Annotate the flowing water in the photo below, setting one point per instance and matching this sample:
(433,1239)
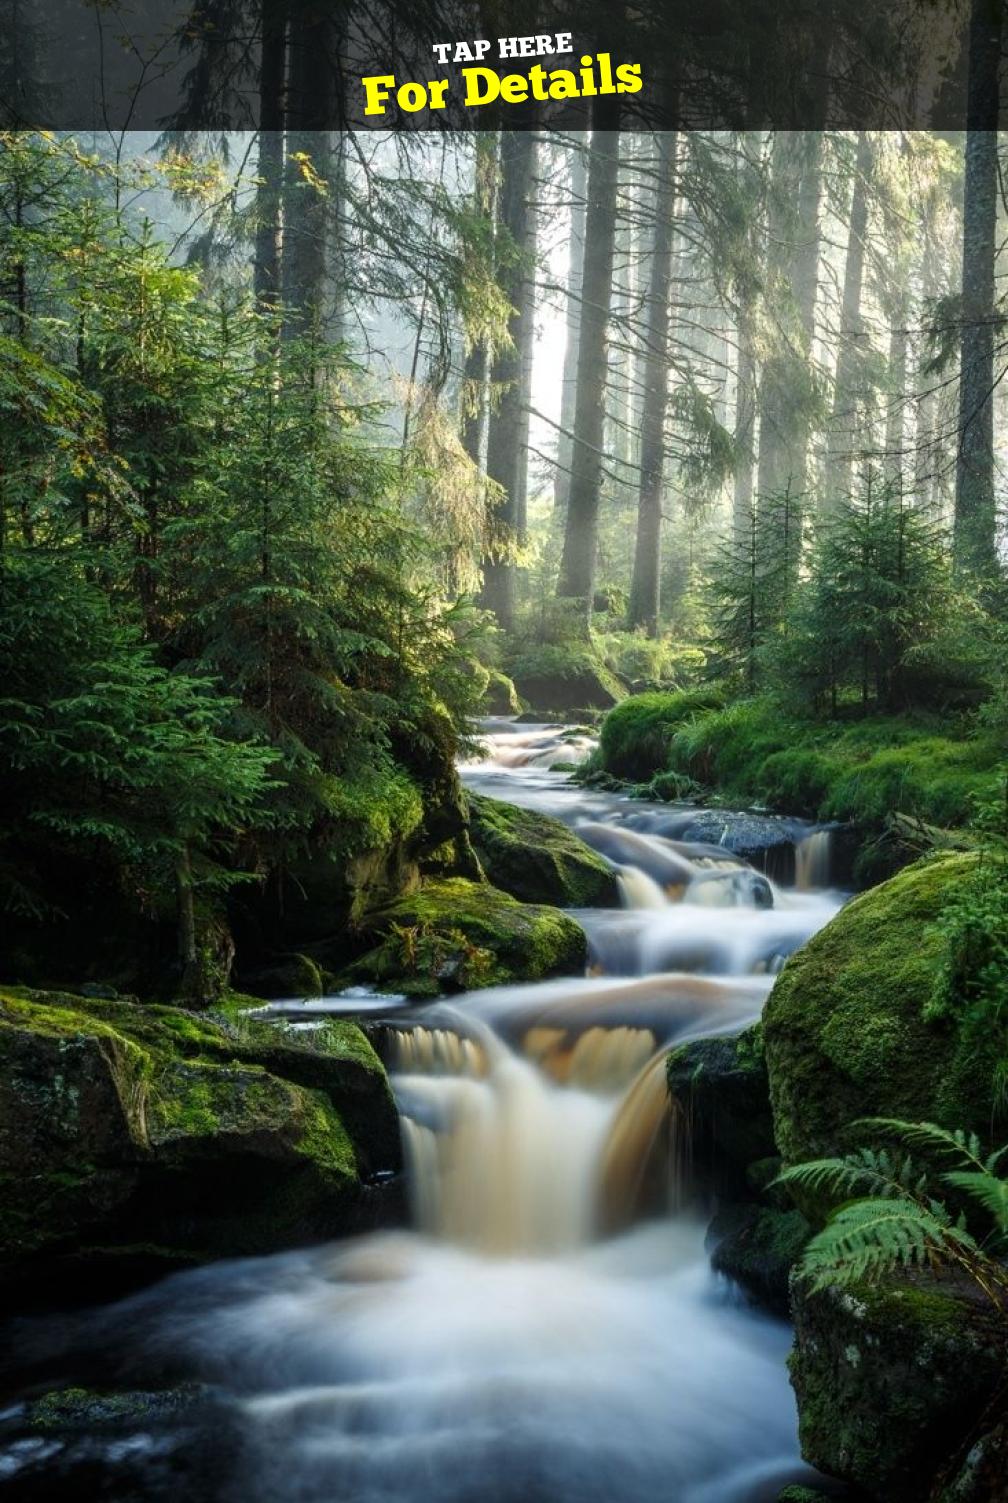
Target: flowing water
(550,1328)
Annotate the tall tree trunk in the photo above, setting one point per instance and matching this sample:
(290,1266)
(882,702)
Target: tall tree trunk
(310,170)
(476,373)
(786,374)
(645,589)
(575,274)
(974,535)
(848,392)
(507,438)
(269,194)
(577,565)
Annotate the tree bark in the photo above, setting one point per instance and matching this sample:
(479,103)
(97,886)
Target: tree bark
(476,373)
(268,245)
(310,171)
(848,394)
(974,534)
(575,275)
(786,375)
(577,565)
(645,589)
(507,437)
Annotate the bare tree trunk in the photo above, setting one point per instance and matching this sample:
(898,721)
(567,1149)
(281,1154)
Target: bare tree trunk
(974,537)
(507,438)
(645,589)
(269,195)
(786,374)
(310,171)
(577,565)
(848,392)
(476,374)
(568,397)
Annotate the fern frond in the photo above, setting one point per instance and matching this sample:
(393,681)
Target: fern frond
(993,1159)
(929,1135)
(869,1238)
(863,1172)
(991,1192)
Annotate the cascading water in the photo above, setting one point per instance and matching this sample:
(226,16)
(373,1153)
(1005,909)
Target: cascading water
(812,861)
(551,1330)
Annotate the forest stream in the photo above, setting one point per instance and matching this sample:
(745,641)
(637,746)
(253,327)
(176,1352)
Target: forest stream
(550,1329)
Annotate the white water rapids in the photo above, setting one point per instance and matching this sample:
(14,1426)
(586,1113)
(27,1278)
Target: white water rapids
(550,1331)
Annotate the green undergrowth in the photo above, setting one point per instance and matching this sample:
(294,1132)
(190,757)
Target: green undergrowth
(853,770)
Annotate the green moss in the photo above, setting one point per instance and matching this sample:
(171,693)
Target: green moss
(122,1123)
(537,859)
(564,675)
(758,1246)
(453,933)
(890,1381)
(848,1028)
(852,770)
(637,734)
(500,697)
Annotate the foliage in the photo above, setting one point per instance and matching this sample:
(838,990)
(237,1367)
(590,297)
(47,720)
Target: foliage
(637,734)
(851,769)
(891,1218)
(223,631)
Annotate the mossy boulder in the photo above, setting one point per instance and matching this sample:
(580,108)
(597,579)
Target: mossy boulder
(126,1126)
(721,1086)
(537,859)
(891,1382)
(500,697)
(849,1030)
(453,934)
(563,677)
(287,976)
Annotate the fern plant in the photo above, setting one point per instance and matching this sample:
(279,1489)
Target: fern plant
(890,1215)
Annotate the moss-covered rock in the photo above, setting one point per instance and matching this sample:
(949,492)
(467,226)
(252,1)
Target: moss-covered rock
(891,1382)
(721,1085)
(848,1029)
(288,976)
(758,1246)
(537,859)
(563,677)
(453,934)
(500,697)
(124,1125)
(636,736)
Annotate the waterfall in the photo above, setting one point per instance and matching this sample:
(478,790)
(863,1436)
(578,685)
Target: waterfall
(812,861)
(638,890)
(548,1325)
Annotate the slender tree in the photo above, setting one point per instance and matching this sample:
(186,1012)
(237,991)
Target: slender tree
(646,583)
(975,515)
(848,393)
(577,566)
(575,274)
(507,439)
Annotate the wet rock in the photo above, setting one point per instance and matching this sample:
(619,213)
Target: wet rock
(848,1030)
(721,1086)
(537,859)
(758,1246)
(128,1129)
(891,1382)
(453,934)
